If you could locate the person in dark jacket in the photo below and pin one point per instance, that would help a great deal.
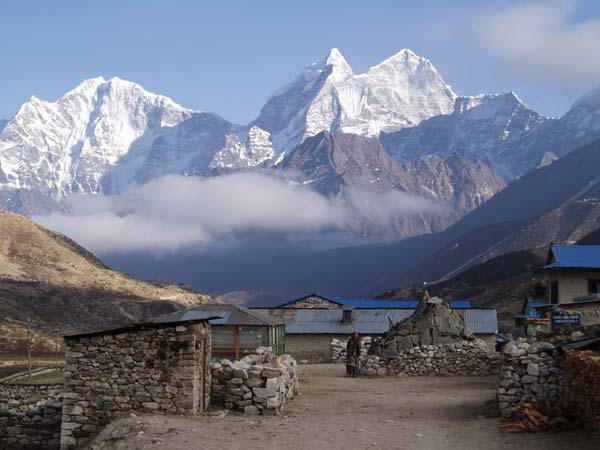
(353, 355)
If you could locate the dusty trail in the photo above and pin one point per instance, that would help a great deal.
(336, 412)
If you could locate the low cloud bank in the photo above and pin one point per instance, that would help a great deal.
(172, 212)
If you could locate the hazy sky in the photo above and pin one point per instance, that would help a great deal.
(227, 57)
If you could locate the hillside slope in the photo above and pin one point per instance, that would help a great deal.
(64, 287)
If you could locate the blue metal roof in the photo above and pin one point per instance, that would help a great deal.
(372, 321)
(378, 304)
(574, 257)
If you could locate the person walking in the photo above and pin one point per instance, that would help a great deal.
(353, 355)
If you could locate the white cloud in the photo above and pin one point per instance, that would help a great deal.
(172, 212)
(543, 39)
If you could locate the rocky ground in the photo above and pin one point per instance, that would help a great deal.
(338, 412)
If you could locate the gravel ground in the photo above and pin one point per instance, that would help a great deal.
(336, 412)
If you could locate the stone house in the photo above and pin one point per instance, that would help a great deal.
(238, 331)
(316, 301)
(152, 367)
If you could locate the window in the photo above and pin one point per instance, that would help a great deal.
(554, 292)
(593, 286)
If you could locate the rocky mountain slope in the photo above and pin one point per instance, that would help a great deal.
(336, 163)
(476, 128)
(548, 204)
(501, 130)
(65, 287)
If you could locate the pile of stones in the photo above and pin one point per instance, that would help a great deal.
(261, 383)
(338, 348)
(458, 358)
(433, 323)
(30, 416)
(528, 371)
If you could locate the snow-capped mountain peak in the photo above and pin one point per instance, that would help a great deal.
(68, 145)
(399, 92)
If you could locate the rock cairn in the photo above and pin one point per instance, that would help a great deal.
(580, 389)
(30, 416)
(338, 348)
(458, 358)
(528, 371)
(432, 323)
(261, 383)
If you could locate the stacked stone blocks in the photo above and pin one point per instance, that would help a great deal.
(153, 368)
(261, 383)
(528, 371)
(459, 358)
(30, 416)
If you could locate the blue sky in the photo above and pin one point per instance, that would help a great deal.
(227, 57)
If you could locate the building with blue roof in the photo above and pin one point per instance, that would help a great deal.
(573, 273)
(573, 283)
(312, 321)
(316, 301)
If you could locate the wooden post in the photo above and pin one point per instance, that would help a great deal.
(237, 342)
(29, 344)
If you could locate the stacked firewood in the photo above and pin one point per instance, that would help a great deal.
(580, 390)
(536, 415)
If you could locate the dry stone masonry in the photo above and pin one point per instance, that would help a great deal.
(338, 348)
(433, 341)
(261, 383)
(528, 371)
(155, 368)
(432, 323)
(30, 416)
(458, 358)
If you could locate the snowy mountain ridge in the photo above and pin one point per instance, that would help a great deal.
(327, 96)
(107, 134)
(68, 145)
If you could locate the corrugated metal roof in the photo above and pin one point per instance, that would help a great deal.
(196, 314)
(329, 321)
(363, 303)
(229, 315)
(369, 321)
(480, 320)
(574, 257)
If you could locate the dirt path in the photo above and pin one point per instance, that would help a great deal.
(336, 412)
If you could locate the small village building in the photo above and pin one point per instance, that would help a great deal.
(314, 320)
(238, 331)
(573, 273)
(529, 321)
(316, 301)
(573, 286)
(148, 367)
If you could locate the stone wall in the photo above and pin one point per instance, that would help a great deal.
(337, 348)
(459, 358)
(313, 302)
(528, 371)
(261, 383)
(154, 368)
(30, 416)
